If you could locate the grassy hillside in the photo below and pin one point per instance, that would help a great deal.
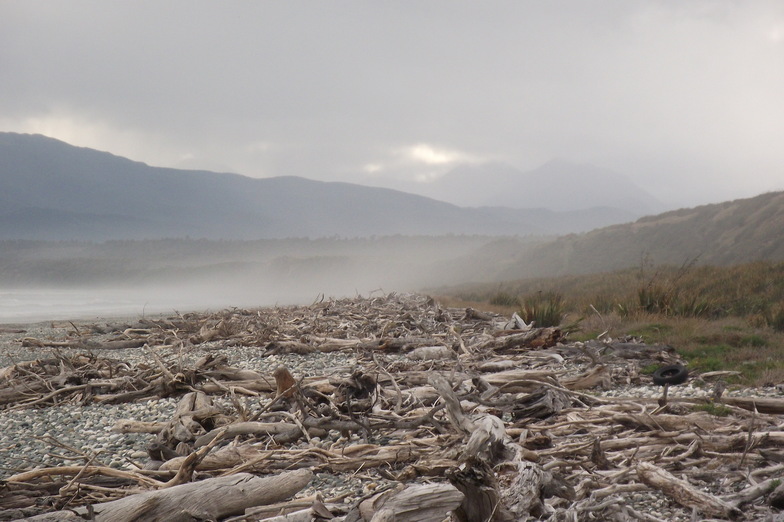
(687, 290)
(721, 234)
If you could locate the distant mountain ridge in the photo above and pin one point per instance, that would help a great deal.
(54, 191)
(557, 185)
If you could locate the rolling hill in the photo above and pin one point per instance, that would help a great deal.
(732, 232)
(50, 190)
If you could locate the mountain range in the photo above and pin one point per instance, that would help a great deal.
(557, 185)
(50, 190)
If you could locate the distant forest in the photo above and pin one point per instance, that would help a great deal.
(389, 259)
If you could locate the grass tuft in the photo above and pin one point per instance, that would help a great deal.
(543, 309)
(717, 410)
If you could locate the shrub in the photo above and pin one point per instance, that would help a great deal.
(656, 298)
(693, 306)
(544, 309)
(776, 318)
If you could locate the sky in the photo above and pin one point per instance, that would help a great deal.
(684, 98)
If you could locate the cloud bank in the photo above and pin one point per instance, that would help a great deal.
(684, 98)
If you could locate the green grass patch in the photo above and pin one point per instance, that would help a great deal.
(755, 341)
(654, 332)
(707, 358)
(717, 410)
(649, 369)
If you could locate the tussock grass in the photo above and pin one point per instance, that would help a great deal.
(717, 318)
(543, 309)
(752, 289)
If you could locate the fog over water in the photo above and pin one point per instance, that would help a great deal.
(682, 100)
(46, 304)
(33, 305)
(58, 281)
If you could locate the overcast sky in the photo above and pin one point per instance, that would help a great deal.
(684, 97)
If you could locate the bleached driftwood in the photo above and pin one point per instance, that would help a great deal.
(415, 503)
(684, 493)
(504, 425)
(206, 500)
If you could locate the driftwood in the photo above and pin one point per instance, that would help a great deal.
(416, 503)
(542, 403)
(503, 420)
(508, 341)
(684, 493)
(318, 511)
(206, 500)
(761, 404)
(776, 498)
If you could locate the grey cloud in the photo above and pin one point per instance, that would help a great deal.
(664, 91)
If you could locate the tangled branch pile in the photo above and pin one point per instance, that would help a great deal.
(449, 414)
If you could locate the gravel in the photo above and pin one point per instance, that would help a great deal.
(28, 437)
(72, 434)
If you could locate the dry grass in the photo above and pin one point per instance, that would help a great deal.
(449, 301)
(717, 318)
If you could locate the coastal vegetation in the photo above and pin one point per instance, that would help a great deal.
(718, 318)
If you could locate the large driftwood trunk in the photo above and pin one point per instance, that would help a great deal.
(417, 503)
(209, 499)
(684, 493)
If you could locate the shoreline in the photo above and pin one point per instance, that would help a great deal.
(24, 306)
(329, 346)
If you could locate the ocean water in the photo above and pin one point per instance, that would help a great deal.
(27, 306)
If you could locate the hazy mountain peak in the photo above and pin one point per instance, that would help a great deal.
(564, 167)
(558, 185)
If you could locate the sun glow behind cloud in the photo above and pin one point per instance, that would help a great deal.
(420, 162)
(429, 155)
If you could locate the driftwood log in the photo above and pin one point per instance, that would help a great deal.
(436, 412)
(415, 503)
(684, 493)
(209, 499)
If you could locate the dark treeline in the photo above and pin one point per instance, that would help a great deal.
(69, 263)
